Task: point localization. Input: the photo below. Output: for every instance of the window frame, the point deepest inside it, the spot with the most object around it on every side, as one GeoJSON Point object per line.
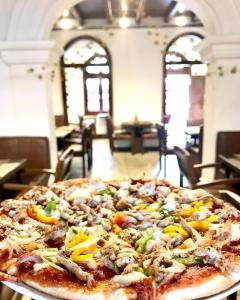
{"type": "Point", "coordinates": [86, 75]}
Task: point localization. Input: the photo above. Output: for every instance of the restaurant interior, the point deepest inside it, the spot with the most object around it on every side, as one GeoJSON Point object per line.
{"type": "Point", "coordinates": [120, 88]}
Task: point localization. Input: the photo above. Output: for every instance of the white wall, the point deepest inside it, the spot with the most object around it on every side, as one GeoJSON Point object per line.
{"type": "Point", "coordinates": [57, 91]}
{"type": "Point", "coordinates": [137, 68]}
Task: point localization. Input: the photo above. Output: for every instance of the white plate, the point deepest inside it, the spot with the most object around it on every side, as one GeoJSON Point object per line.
{"type": "Point", "coordinates": [26, 290]}
{"type": "Point", "coordinates": [36, 295]}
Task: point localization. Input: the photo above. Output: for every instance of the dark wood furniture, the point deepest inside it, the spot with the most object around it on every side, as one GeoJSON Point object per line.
{"type": "Point", "coordinates": [62, 133]}
{"type": "Point", "coordinates": [227, 143]}
{"type": "Point", "coordinates": [117, 135]}
{"type": "Point", "coordinates": [195, 147]}
{"type": "Point", "coordinates": [82, 146]}
{"type": "Point", "coordinates": [10, 168]}
{"type": "Point", "coordinates": [137, 129]}
{"type": "Point", "coordinates": [61, 172]}
{"type": "Point", "coordinates": [231, 163]}
{"type": "Point", "coordinates": [189, 170]}
{"type": "Point", "coordinates": [34, 149]}
{"type": "Point", "coordinates": [60, 120]}
{"type": "Point", "coordinates": [162, 146]}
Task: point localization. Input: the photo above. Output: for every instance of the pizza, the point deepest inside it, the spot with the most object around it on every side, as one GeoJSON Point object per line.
{"type": "Point", "coordinates": [87, 239]}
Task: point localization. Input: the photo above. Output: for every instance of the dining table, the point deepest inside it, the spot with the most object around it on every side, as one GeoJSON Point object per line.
{"type": "Point", "coordinates": [10, 168]}
{"type": "Point", "coordinates": [63, 132]}
{"type": "Point", "coordinates": [136, 128]}
{"type": "Point", "coordinates": [231, 163]}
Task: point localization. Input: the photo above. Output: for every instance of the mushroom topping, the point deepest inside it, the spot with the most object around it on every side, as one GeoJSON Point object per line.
{"type": "Point", "coordinates": [76, 270]}
{"type": "Point", "coordinates": [209, 255]}
{"type": "Point", "coordinates": [127, 279]}
{"type": "Point", "coordinates": [56, 237]}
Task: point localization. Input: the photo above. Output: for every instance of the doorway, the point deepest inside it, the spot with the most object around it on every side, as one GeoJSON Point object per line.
{"type": "Point", "coordinates": [87, 79]}
{"type": "Point", "coordinates": [183, 99]}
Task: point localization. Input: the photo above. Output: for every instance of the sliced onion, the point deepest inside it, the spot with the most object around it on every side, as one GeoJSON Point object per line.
{"type": "Point", "coordinates": [28, 257]}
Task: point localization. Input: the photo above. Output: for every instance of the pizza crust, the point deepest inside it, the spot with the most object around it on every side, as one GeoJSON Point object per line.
{"type": "Point", "coordinates": [216, 284]}
{"type": "Point", "coordinates": [78, 294]}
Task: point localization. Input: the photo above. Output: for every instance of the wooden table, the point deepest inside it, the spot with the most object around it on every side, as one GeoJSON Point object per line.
{"type": "Point", "coordinates": [62, 132]}
{"type": "Point", "coordinates": [136, 128]}
{"type": "Point", "coordinates": [231, 163]}
{"type": "Point", "coordinates": [10, 167]}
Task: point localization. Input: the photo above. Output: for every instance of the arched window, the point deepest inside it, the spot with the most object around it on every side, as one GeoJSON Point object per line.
{"type": "Point", "coordinates": [184, 77]}
{"type": "Point", "coordinates": [87, 85]}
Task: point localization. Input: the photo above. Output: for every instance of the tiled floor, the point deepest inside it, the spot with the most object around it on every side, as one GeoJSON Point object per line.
{"type": "Point", "coordinates": [123, 164]}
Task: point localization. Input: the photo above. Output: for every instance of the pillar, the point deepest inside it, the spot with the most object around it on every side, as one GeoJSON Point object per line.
{"type": "Point", "coordinates": [26, 106]}
{"type": "Point", "coordinates": [222, 93]}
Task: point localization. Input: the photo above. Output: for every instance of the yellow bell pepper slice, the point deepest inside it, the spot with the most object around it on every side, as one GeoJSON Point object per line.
{"type": "Point", "coordinates": [208, 203]}
{"type": "Point", "coordinates": [142, 206]}
{"type": "Point", "coordinates": [79, 238]}
{"type": "Point", "coordinates": [213, 218]}
{"type": "Point", "coordinates": [172, 234]}
{"type": "Point", "coordinates": [187, 212]}
{"type": "Point", "coordinates": [170, 228]}
{"type": "Point", "coordinates": [87, 246]}
{"type": "Point", "coordinates": [117, 229]}
{"type": "Point", "coordinates": [183, 232]}
{"type": "Point", "coordinates": [149, 209]}
{"type": "Point", "coordinates": [40, 216]}
{"type": "Point", "coordinates": [202, 225]}
{"type": "Point", "coordinates": [175, 229]}
{"type": "Point", "coordinates": [197, 204]}
{"type": "Point", "coordinates": [81, 258]}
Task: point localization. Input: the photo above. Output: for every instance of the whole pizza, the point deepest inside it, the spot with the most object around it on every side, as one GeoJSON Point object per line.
{"type": "Point", "coordinates": [129, 239]}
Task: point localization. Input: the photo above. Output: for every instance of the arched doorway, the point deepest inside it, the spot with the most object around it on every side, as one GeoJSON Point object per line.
{"type": "Point", "coordinates": [183, 86]}
{"type": "Point", "coordinates": [87, 78]}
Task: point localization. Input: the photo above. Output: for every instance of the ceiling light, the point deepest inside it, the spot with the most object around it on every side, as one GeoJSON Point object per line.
{"type": "Point", "coordinates": [67, 21]}
{"type": "Point", "coordinates": [124, 22]}
{"type": "Point", "coordinates": [66, 13]}
{"type": "Point", "coordinates": [124, 6]}
{"type": "Point", "coordinates": [181, 21]}
{"type": "Point", "coordinates": [181, 7]}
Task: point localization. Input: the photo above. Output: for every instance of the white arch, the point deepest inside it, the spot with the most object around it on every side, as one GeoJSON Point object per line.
{"type": "Point", "coordinates": [33, 19]}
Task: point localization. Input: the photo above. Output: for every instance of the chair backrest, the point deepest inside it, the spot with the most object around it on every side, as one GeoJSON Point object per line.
{"type": "Point", "coordinates": [228, 142]}
{"type": "Point", "coordinates": [109, 126]}
{"type": "Point", "coordinates": [86, 132]}
{"type": "Point", "coordinates": [186, 165]}
{"type": "Point", "coordinates": [60, 120]}
{"type": "Point", "coordinates": [64, 164]}
{"type": "Point", "coordinates": [110, 130]}
{"type": "Point", "coordinates": [200, 142]}
{"type": "Point", "coordinates": [34, 149]}
{"type": "Point", "coordinates": [162, 138]}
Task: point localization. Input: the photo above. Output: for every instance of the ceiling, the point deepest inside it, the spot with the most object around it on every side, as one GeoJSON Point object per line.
{"type": "Point", "coordinates": [143, 13]}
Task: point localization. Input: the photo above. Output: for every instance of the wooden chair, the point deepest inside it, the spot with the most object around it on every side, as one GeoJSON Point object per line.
{"type": "Point", "coordinates": [82, 146]}
{"type": "Point", "coordinates": [196, 151]}
{"type": "Point", "coordinates": [34, 149]}
{"type": "Point", "coordinates": [150, 137]}
{"type": "Point", "coordinates": [162, 146]}
{"type": "Point", "coordinates": [227, 143]}
{"type": "Point", "coordinates": [189, 170]}
{"type": "Point", "coordinates": [61, 172]}
{"type": "Point", "coordinates": [117, 134]}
